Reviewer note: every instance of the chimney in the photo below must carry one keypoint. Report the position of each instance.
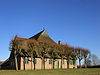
(59, 42)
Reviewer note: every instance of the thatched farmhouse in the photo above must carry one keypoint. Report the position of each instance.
(39, 52)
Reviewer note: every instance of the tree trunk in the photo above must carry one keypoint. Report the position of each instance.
(79, 63)
(34, 63)
(16, 63)
(68, 60)
(24, 63)
(85, 63)
(44, 63)
(53, 63)
(31, 61)
(74, 62)
(61, 62)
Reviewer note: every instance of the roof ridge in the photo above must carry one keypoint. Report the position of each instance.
(42, 33)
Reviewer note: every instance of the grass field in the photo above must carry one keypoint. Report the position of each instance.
(95, 71)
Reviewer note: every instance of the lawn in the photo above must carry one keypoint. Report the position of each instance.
(95, 71)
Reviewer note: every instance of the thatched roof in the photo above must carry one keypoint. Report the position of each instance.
(21, 44)
(41, 40)
(43, 36)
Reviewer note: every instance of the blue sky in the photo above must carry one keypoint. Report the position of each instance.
(76, 22)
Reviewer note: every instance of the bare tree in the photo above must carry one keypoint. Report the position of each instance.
(53, 52)
(16, 46)
(86, 55)
(79, 55)
(74, 56)
(61, 53)
(33, 49)
(68, 54)
(95, 60)
(43, 52)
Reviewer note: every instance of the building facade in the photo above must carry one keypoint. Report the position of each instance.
(25, 63)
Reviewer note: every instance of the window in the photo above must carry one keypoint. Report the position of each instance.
(71, 62)
(50, 61)
(63, 61)
(35, 61)
(26, 60)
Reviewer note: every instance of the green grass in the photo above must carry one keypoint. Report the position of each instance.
(95, 71)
